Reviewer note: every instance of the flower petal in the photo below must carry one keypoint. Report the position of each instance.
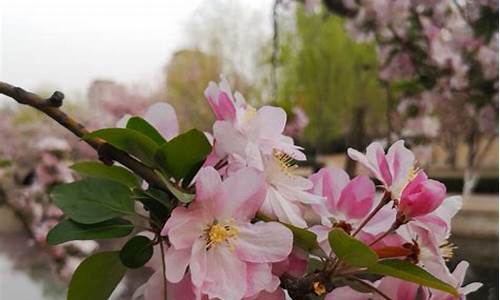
(176, 262)
(264, 242)
(162, 116)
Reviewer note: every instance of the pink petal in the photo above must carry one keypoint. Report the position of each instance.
(399, 289)
(228, 140)
(208, 184)
(260, 278)
(185, 226)
(284, 210)
(154, 287)
(221, 103)
(176, 262)
(330, 182)
(162, 116)
(376, 155)
(226, 273)
(347, 293)
(181, 290)
(421, 196)
(401, 161)
(357, 197)
(198, 263)
(264, 242)
(276, 295)
(242, 195)
(269, 122)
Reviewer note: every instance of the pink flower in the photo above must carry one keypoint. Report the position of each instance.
(457, 279)
(287, 194)
(245, 133)
(347, 203)
(223, 104)
(393, 169)
(162, 116)
(228, 256)
(421, 196)
(439, 221)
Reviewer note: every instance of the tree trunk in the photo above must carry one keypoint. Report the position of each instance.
(356, 137)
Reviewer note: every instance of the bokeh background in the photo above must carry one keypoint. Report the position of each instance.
(346, 72)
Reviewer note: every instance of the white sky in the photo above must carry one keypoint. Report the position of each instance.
(66, 44)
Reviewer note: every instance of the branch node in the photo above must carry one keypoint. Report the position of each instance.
(56, 100)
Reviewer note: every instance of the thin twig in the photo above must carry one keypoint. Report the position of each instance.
(163, 270)
(386, 198)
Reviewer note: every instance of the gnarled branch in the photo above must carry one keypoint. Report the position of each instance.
(107, 152)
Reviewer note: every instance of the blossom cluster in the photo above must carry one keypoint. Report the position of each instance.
(236, 239)
(440, 57)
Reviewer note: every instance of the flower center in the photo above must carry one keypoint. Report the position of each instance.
(284, 161)
(218, 233)
(447, 249)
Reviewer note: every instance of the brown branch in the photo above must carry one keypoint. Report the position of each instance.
(107, 152)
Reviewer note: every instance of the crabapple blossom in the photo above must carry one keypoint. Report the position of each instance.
(394, 169)
(245, 133)
(229, 257)
(421, 196)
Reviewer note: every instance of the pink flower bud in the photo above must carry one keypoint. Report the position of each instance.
(421, 196)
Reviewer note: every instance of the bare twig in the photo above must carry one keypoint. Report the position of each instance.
(107, 153)
(370, 287)
(163, 269)
(386, 198)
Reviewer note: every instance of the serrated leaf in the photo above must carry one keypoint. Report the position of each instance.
(96, 277)
(141, 125)
(184, 154)
(93, 200)
(69, 230)
(351, 250)
(137, 252)
(97, 169)
(407, 271)
(130, 141)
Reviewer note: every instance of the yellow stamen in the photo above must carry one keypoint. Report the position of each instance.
(285, 161)
(319, 288)
(447, 249)
(218, 233)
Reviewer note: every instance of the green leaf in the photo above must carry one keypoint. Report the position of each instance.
(303, 238)
(155, 194)
(69, 230)
(184, 154)
(141, 125)
(97, 169)
(407, 271)
(351, 250)
(96, 277)
(130, 141)
(136, 252)
(93, 200)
